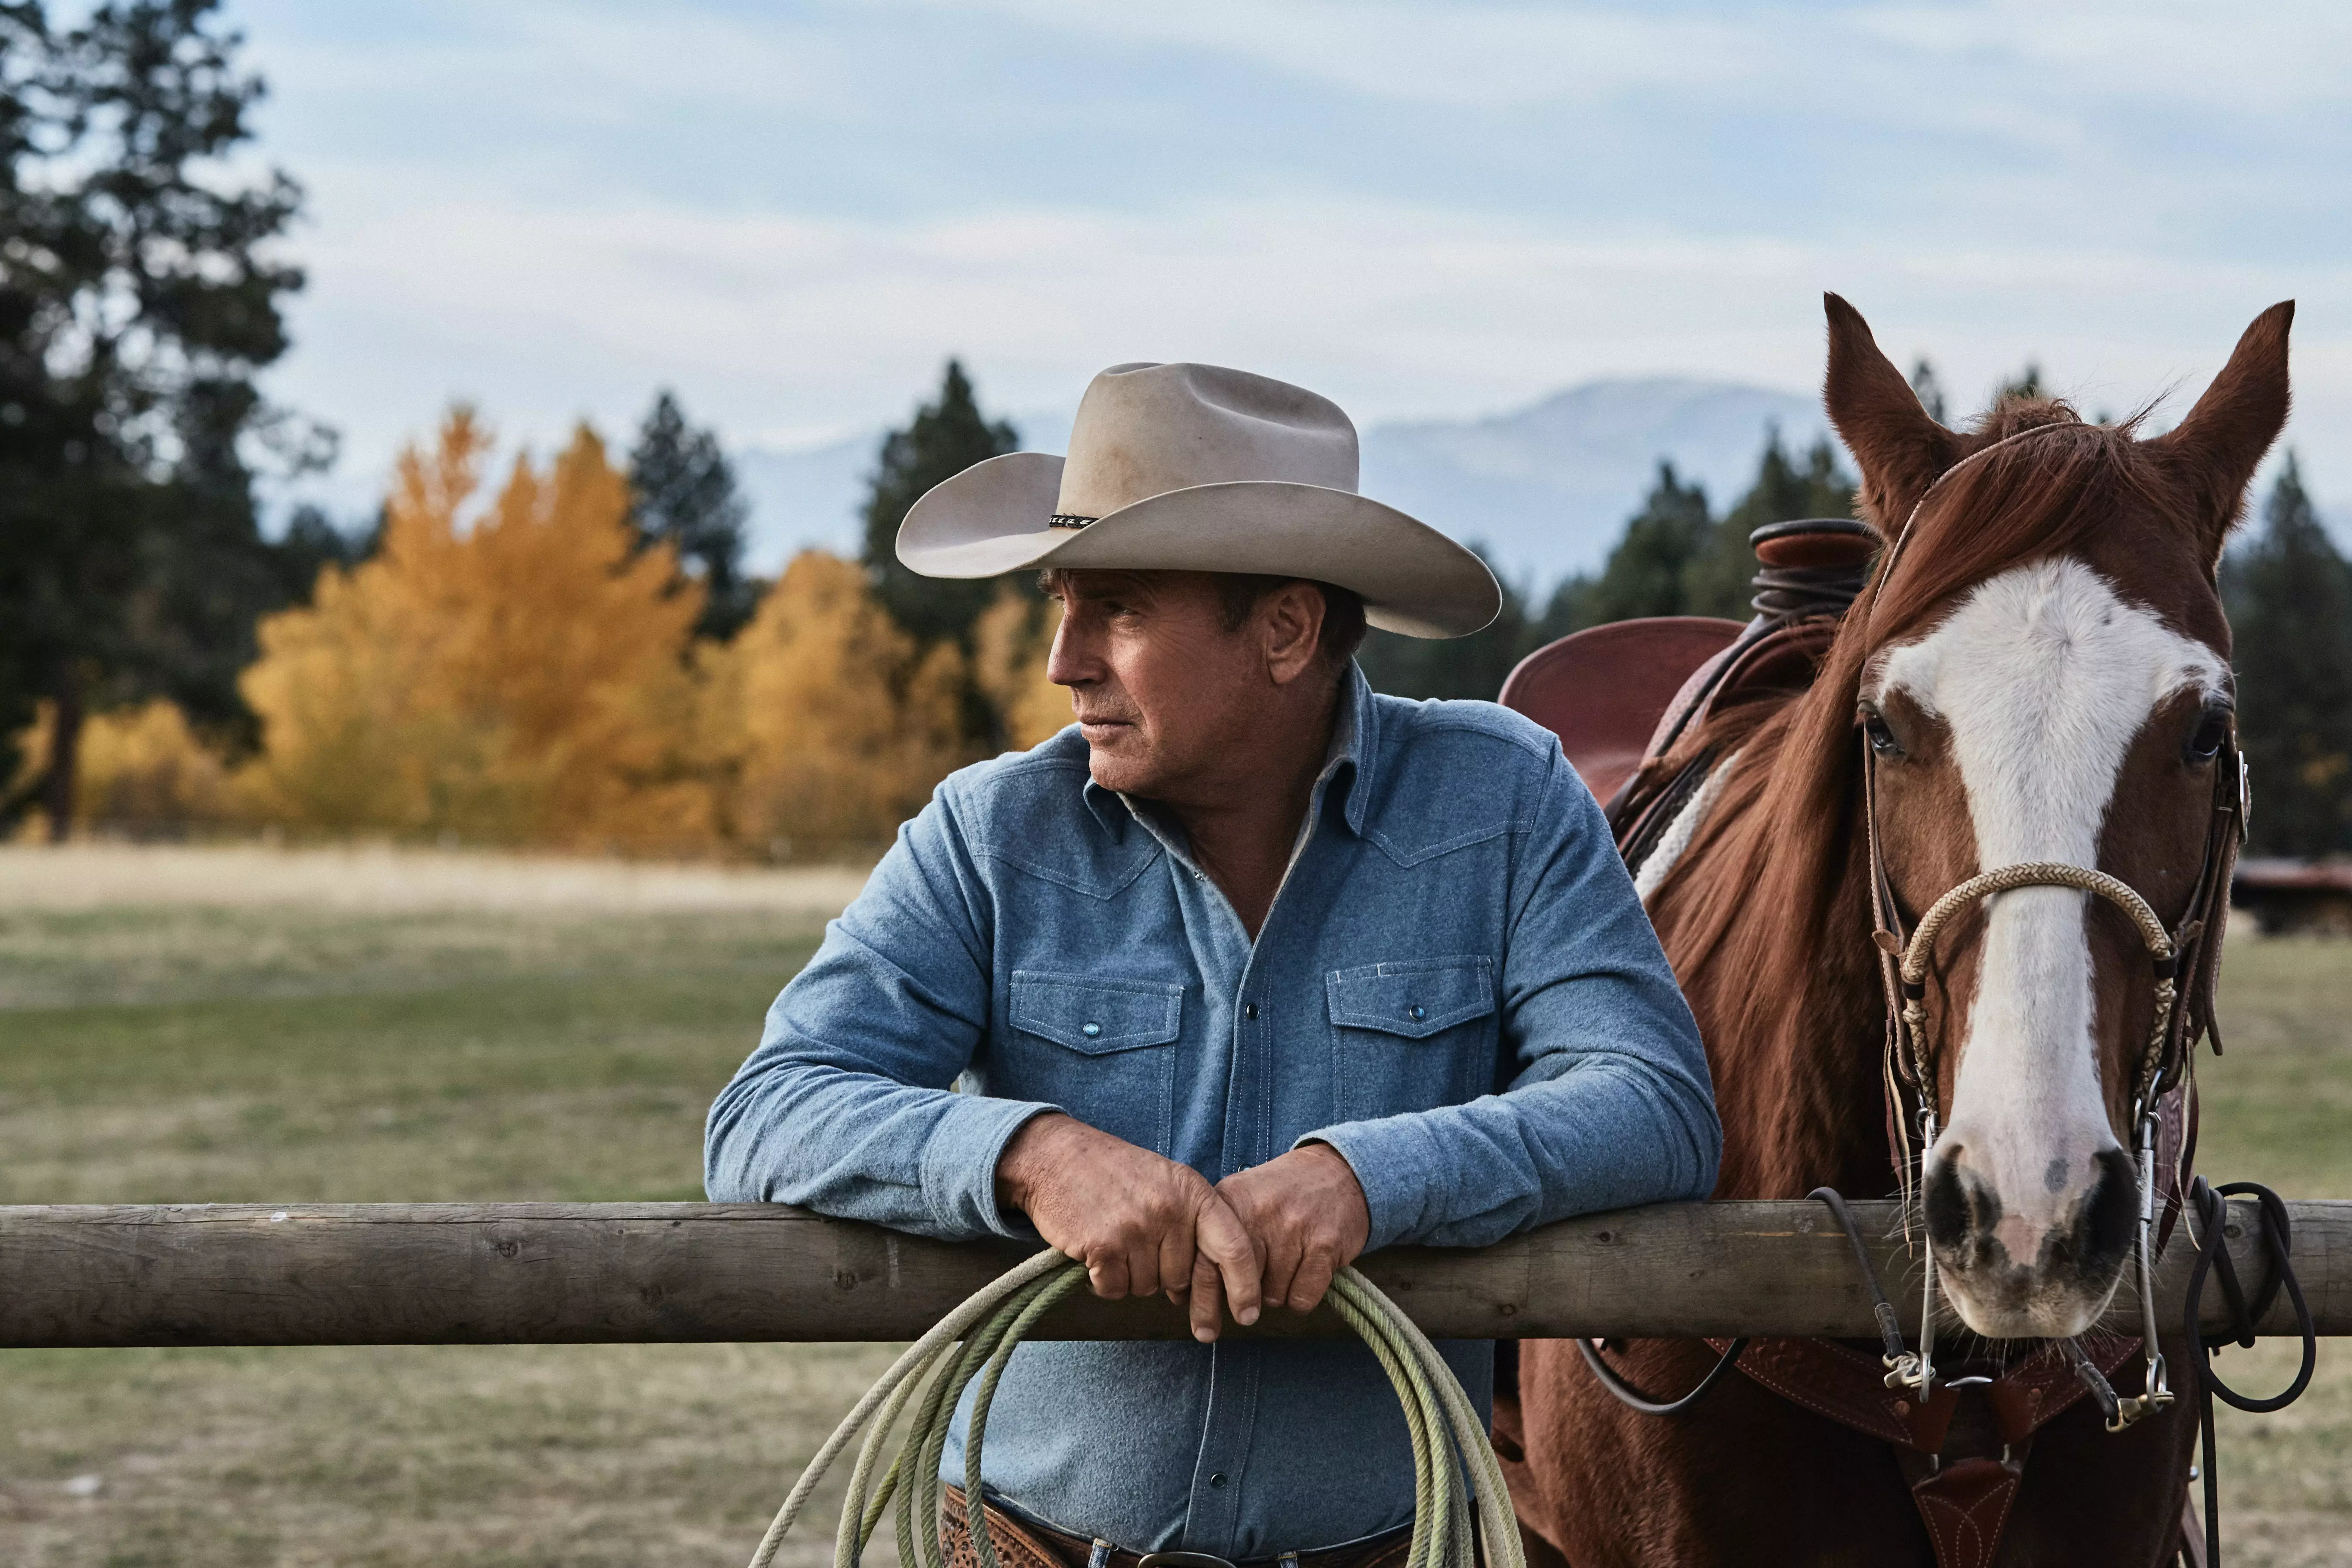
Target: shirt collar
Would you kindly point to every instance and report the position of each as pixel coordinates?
(1347, 766)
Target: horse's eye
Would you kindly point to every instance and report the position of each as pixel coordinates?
(2212, 732)
(1882, 735)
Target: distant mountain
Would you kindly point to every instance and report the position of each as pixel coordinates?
(1545, 490)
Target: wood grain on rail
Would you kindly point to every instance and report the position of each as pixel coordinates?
(582, 1273)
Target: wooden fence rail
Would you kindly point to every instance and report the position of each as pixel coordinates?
(550, 1273)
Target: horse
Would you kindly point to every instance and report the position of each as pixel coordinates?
(2038, 671)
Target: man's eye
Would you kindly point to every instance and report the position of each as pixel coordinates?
(1882, 735)
(2212, 732)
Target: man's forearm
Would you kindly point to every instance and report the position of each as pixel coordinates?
(1607, 1133)
(860, 1146)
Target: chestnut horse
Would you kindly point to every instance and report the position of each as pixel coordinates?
(2041, 673)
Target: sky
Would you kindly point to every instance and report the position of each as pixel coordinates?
(792, 213)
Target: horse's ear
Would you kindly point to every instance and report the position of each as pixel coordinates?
(1900, 448)
(2214, 454)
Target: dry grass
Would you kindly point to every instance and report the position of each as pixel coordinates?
(2278, 1110)
(381, 880)
(377, 1027)
(359, 1027)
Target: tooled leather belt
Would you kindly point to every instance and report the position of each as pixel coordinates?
(1023, 1543)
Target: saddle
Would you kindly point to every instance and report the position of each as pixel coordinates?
(1620, 697)
(1623, 699)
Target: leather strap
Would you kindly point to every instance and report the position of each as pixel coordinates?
(1965, 1504)
(1846, 1383)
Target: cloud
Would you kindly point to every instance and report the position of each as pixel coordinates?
(792, 214)
(787, 327)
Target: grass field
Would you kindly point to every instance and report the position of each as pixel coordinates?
(233, 1026)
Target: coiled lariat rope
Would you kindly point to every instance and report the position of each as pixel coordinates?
(1455, 1518)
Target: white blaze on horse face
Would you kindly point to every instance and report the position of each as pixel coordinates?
(2042, 677)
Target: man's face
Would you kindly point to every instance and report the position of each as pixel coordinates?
(1165, 693)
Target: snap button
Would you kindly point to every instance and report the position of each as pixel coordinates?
(1090, 1030)
(1416, 1012)
(1218, 1479)
(1250, 1010)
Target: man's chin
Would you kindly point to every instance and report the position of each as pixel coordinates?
(1116, 758)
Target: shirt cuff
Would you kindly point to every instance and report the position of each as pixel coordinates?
(1398, 1166)
(959, 1159)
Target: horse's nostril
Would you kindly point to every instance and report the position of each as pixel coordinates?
(1947, 1202)
(2111, 1212)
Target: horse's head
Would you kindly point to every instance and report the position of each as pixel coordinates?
(2047, 678)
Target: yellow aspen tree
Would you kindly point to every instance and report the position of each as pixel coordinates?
(519, 676)
(1010, 642)
(141, 768)
(834, 726)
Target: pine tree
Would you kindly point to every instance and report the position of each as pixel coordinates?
(683, 493)
(944, 438)
(1717, 582)
(1473, 666)
(1648, 573)
(141, 297)
(2289, 596)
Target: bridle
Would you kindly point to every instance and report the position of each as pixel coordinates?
(2183, 964)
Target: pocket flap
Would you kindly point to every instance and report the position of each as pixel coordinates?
(1090, 1014)
(1415, 999)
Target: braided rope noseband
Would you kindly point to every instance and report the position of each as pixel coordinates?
(2042, 874)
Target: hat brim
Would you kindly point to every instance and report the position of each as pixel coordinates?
(1413, 579)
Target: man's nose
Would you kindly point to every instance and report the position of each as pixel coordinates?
(1069, 662)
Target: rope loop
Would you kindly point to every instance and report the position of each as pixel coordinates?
(1460, 1520)
(2212, 1208)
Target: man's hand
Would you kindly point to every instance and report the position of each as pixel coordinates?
(1306, 1213)
(1139, 1223)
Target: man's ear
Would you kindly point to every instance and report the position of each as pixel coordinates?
(1899, 448)
(1290, 620)
(2214, 454)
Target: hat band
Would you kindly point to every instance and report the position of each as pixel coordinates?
(1068, 520)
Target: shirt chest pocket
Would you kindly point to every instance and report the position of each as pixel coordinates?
(1411, 1036)
(1102, 1049)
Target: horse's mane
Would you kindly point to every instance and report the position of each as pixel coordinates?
(1751, 910)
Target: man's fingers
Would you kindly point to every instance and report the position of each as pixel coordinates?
(1223, 1239)
(1176, 1255)
(1282, 1259)
(1309, 1283)
(1208, 1299)
(1108, 1275)
(1143, 1267)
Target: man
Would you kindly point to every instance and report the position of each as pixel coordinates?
(1248, 972)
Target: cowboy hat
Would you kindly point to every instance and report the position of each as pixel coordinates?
(1199, 469)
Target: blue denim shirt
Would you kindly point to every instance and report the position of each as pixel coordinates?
(1456, 987)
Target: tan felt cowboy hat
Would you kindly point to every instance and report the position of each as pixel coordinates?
(1196, 467)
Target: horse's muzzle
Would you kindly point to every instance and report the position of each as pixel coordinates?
(2068, 1269)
